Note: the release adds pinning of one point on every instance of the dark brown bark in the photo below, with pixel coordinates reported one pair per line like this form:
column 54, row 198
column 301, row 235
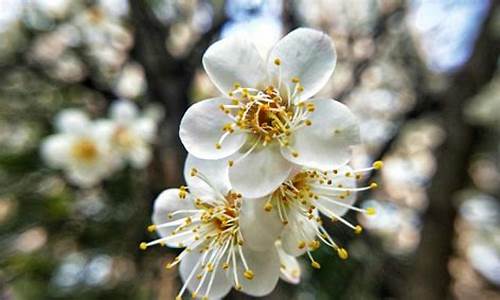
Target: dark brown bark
column 428, row 276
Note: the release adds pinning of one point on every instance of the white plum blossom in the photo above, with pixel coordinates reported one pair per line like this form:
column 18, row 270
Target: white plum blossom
column 301, row 198
column 205, row 217
column 130, row 134
column 265, row 122
column 79, row 149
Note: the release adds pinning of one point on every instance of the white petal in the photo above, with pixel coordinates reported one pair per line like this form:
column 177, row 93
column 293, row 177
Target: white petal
column 234, row 60
column 299, row 229
column 328, row 207
column 55, row 150
column 325, row 144
column 72, row 121
column 140, row 156
column 167, row 202
column 265, row 265
column 307, row 54
column 290, row 267
column 220, row 286
column 123, row 111
column 103, row 129
column 145, row 128
column 260, row 172
column 216, row 171
column 260, row 228
column 201, row 129
column 84, row 177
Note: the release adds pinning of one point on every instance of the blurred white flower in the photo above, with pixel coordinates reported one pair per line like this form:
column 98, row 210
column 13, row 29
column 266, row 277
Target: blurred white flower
column 205, row 218
column 130, row 134
column 79, row 148
column 264, row 119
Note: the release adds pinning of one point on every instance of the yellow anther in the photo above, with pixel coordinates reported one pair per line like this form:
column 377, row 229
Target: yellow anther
column 248, row 274
column 310, row 107
column 210, row 267
column 168, row 266
column 194, row 294
column 143, row 246
column 230, row 163
column 235, row 102
column 277, row 61
column 342, row 253
column 238, row 287
column 348, row 174
column 300, row 89
column 314, row 245
column 295, row 79
column 358, row 229
column 236, row 85
column 218, row 146
column 301, row 244
column 194, row 172
column 308, row 122
column 152, row 228
column 295, row 154
column 315, row 265
column 378, row 165
column 373, row 185
column 225, row 266
column 371, row 211
column 268, row 206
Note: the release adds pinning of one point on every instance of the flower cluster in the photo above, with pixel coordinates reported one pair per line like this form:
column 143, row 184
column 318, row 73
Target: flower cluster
column 89, row 151
column 266, row 165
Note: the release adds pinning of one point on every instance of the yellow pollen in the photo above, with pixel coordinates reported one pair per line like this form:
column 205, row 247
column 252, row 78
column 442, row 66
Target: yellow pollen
column 358, row 229
column 378, row 165
column 308, row 122
column 295, row 79
column 143, row 246
column 84, row 150
column 277, row 61
column 371, row 211
column 300, row 88
column 302, row 244
column 295, row 154
column 268, row 206
column 152, row 228
column 315, row 265
column 342, row 253
column 218, row 146
column 236, row 85
column 248, row 274
column 194, row 172
column 225, row 266
column 373, row 185
column 230, row 163
column 314, row 245
column 238, row 287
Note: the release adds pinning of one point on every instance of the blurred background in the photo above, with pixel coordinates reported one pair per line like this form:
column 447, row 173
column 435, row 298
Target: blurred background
column 423, row 77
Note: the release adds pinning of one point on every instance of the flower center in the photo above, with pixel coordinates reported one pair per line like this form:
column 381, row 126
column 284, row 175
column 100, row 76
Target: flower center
column 300, row 199
column 122, row 138
column 84, row 150
column 266, row 114
column 213, row 230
